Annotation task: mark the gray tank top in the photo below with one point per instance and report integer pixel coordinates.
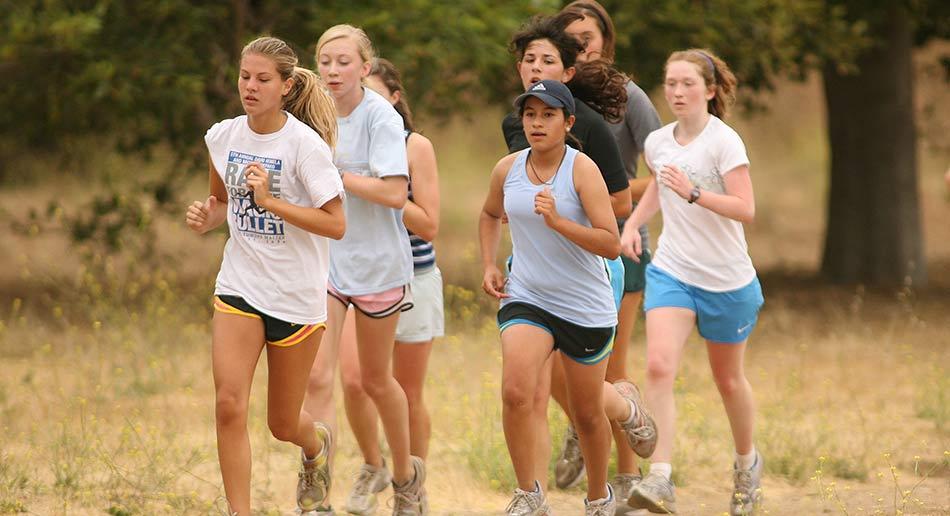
(548, 270)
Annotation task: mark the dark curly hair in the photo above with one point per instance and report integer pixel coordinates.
(598, 84)
(602, 87)
(545, 27)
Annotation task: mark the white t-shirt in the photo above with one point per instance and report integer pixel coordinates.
(276, 267)
(375, 254)
(697, 246)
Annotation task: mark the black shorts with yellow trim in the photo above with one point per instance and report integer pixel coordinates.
(276, 331)
(580, 343)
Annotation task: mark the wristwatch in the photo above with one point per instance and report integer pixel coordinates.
(694, 195)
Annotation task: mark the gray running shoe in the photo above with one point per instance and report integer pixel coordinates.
(369, 482)
(654, 493)
(313, 484)
(641, 432)
(569, 469)
(528, 503)
(623, 485)
(604, 507)
(747, 495)
(410, 499)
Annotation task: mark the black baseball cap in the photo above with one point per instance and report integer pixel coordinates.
(553, 93)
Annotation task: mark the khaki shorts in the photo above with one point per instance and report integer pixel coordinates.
(426, 319)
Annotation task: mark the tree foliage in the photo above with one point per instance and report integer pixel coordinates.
(163, 71)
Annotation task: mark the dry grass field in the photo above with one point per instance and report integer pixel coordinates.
(106, 403)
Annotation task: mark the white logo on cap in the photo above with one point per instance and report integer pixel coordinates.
(539, 87)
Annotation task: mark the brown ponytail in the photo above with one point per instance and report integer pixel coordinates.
(387, 72)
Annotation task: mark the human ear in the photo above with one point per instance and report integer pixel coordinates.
(568, 74)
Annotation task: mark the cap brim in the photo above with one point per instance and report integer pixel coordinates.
(549, 100)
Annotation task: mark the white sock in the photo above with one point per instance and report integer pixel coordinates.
(633, 414)
(745, 462)
(664, 469)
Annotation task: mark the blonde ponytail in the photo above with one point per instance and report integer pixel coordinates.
(311, 103)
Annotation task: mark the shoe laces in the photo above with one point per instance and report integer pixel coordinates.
(643, 431)
(406, 501)
(363, 480)
(624, 482)
(656, 483)
(743, 483)
(222, 505)
(522, 503)
(312, 476)
(604, 509)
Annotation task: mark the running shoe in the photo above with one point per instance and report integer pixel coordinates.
(410, 499)
(747, 495)
(569, 469)
(623, 485)
(641, 430)
(313, 484)
(654, 493)
(528, 503)
(603, 507)
(369, 482)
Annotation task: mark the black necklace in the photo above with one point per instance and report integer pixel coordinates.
(537, 176)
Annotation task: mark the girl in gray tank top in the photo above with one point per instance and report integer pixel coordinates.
(557, 297)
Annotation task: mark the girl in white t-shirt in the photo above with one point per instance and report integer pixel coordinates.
(273, 180)
(701, 275)
(371, 267)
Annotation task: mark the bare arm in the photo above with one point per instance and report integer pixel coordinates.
(327, 220)
(601, 238)
(390, 191)
(205, 216)
(647, 207)
(737, 203)
(489, 230)
(638, 187)
(620, 203)
(421, 214)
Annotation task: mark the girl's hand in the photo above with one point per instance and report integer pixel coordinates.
(544, 205)
(258, 182)
(675, 179)
(630, 243)
(494, 283)
(198, 215)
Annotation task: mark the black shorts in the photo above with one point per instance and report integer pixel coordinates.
(580, 343)
(276, 332)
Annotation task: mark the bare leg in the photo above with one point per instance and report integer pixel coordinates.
(667, 331)
(524, 349)
(288, 373)
(360, 409)
(727, 364)
(374, 338)
(539, 414)
(585, 388)
(236, 345)
(410, 361)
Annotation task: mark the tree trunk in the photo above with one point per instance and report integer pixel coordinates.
(873, 231)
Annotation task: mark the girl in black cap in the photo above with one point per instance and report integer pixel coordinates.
(557, 297)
